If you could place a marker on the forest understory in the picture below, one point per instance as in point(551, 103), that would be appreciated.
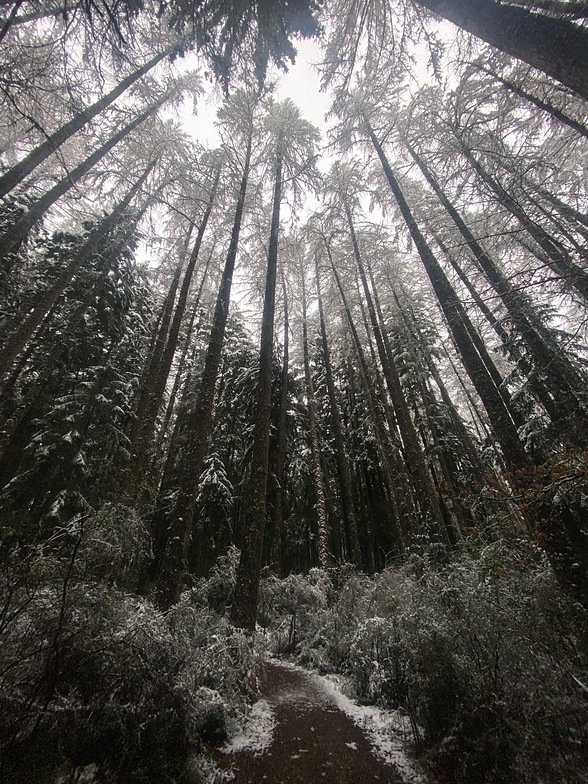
point(293, 386)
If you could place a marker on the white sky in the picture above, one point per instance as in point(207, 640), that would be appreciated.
point(301, 84)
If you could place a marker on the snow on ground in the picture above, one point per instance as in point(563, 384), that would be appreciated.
point(387, 731)
point(206, 770)
point(256, 734)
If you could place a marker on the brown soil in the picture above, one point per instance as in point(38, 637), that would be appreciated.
point(313, 742)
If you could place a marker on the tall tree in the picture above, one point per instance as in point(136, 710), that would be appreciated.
point(315, 450)
point(13, 236)
point(17, 173)
point(153, 387)
point(26, 329)
point(563, 380)
point(426, 492)
point(547, 41)
point(239, 119)
point(293, 141)
point(345, 485)
point(281, 451)
point(493, 402)
point(552, 44)
point(394, 467)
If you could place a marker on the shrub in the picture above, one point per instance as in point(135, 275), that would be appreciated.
point(94, 679)
point(483, 653)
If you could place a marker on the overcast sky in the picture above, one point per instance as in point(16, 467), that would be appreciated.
point(301, 84)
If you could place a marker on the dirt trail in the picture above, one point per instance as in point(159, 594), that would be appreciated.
point(313, 740)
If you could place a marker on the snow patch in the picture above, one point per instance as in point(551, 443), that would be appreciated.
point(387, 731)
point(257, 733)
point(207, 771)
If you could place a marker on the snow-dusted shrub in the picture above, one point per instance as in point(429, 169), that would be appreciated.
point(330, 633)
point(114, 544)
point(91, 674)
point(482, 655)
point(482, 652)
point(314, 616)
point(214, 653)
point(287, 607)
point(218, 588)
point(377, 663)
point(93, 678)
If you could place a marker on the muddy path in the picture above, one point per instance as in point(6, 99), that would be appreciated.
point(312, 739)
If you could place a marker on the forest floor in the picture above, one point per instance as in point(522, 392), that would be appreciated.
point(303, 730)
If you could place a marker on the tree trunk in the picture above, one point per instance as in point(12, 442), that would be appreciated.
point(563, 382)
point(35, 16)
point(399, 490)
point(244, 609)
point(13, 237)
point(22, 169)
point(181, 370)
point(10, 20)
point(502, 424)
point(545, 106)
point(278, 533)
point(170, 564)
point(555, 46)
point(572, 215)
point(423, 483)
point(556, 256)
point(317, 473)
point(516, 356)
point(149, 373)
point(26, 330)
point(350, 518)
point(153, 390)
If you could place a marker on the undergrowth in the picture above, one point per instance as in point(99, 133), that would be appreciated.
point(484, 654)
point(98, 685)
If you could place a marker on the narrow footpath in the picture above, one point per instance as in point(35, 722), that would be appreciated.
point(311, 739)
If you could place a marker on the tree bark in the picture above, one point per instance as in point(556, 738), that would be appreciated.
point(244, 609)
point(317, 473)
point(350, 518)
point(23, 168)
point(555, 46)
point(278, 532)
